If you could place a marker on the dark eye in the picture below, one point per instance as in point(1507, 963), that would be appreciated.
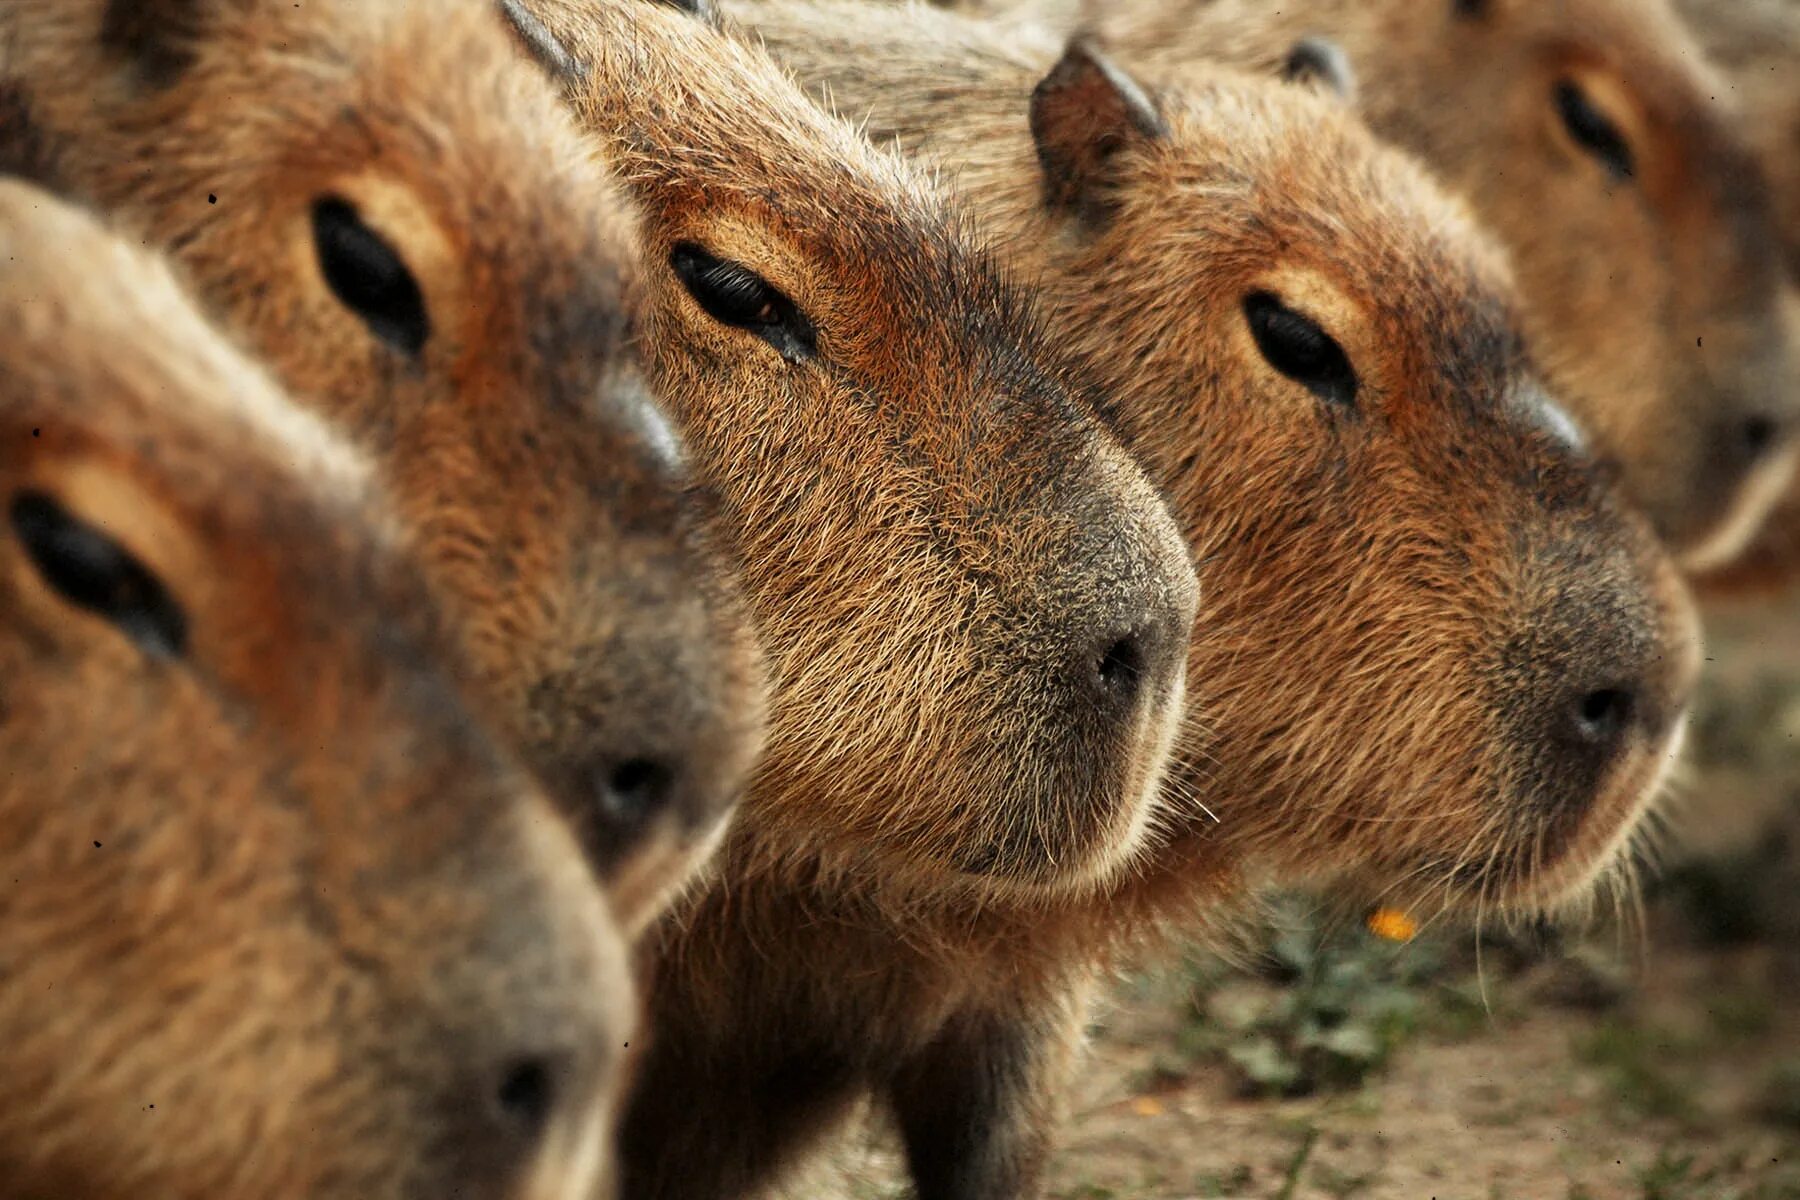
point(1592, 130)
point(732, 295)
point(365, 273)
point(1299, 349)
point(91, 571)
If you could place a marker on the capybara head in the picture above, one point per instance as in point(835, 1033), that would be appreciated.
point(1437, 651)
point(974, 602)
point(1589, 136)
point(1756, 44)
point(399, 215)
point(280, 918)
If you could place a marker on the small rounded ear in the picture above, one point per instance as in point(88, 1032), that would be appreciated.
point(1082, 113)
point(706, 10)
point(541, 44)
point(156, 38)
point(1321, 62)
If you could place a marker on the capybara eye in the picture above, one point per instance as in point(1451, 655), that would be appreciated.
point(736, 296)
point(364, 272)
point(1299, 349)
point(1592, 130)
point(91, 571)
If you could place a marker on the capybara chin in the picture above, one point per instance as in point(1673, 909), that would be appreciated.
point(398, 215)
point(1591, 138)
point(281, 919)
point(973, 601)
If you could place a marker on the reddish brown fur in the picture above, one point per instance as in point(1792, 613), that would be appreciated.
point(1652, 300)
point(1402, 589)
point(928, 521)
point(1756, 43)
point(277, 912)
point(532, 472)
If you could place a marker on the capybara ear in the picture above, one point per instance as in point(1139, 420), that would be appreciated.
point(1470, 8)
point(541, 44)
point(706, 10)
point(155, 39)
point(1082, 113)
point(1321, 63)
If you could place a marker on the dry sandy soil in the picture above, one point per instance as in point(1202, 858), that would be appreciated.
point(1614, 1066)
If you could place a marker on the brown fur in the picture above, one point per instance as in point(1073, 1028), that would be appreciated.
point(1756, 44)
point(1651, 300)
point(1408, 592)
point(534, 475)
point(935, 535)
point(279, 917)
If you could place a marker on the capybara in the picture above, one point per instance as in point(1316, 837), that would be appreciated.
point(396, 212)
point(1756, 44)
point(1592, 139)
point(1439, 661)
point(280, 919)
point(974, 605)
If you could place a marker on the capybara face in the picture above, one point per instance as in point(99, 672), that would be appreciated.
point(280, 919)
point(974, 602)
point(398, 213)
point(1497, 655)
point(1438, 652)
point(1589, 137)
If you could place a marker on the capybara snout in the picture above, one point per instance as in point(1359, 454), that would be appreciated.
point(283, 919)
point(1097, 674)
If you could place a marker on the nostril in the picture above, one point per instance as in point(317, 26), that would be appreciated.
point(1602, 714)
point(634, 789)
point(1120, 664)
point(1758, 435)
point(526, 1095)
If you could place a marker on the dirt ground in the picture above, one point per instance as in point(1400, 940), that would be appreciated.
point(1661, 1063)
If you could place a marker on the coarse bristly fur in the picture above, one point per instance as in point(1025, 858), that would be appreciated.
point(536, 479)
point(1755, 44)
point(1411, 590)
point(1651, 294)
point(280, 917)
point(938, 537)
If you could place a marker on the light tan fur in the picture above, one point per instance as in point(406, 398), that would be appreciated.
point(1411, 590)
point(536, 479)
point(936, 535)
point(1756, 45)
point(1651, 300)
point(279, 916)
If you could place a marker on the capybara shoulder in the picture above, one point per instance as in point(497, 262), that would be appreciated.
point(281, 918)
point(394, 210)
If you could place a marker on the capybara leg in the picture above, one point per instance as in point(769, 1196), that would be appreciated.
point(978, 1107)
point(723, 1129)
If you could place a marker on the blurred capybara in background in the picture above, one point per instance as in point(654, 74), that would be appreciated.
point(1756, 44)
point(1439, 663)
point(280, 918)
point(1590, 136)
point(395, 210)
point(974, 604)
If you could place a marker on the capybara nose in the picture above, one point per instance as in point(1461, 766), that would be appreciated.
point(1119, 665)
point(1759, 434)
point(525, 1095)
point(1598, 719)
point(632, 792)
